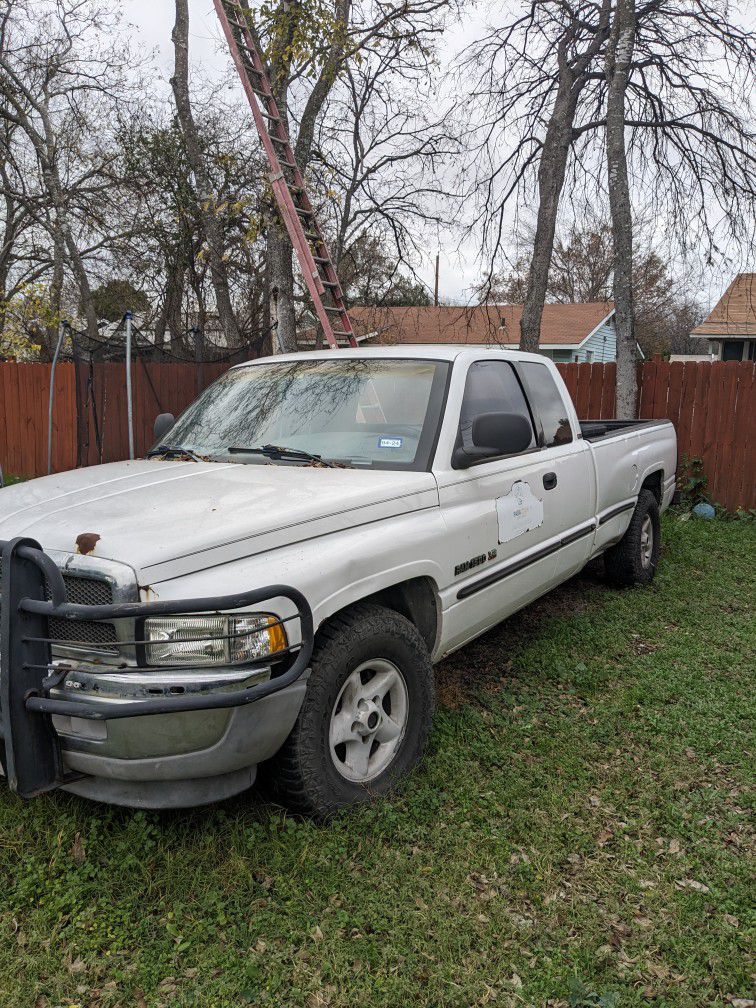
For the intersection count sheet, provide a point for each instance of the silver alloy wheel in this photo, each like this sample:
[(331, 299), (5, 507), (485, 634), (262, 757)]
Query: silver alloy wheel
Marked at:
[(368, 720), (647, 541)]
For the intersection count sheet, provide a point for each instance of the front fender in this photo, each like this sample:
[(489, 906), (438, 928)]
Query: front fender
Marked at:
[(332, 571)]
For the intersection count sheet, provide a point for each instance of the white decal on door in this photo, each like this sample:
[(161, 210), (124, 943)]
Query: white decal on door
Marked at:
[(518, 512)]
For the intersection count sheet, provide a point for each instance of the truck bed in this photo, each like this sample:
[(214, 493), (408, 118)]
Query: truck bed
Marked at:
[(595, 430)]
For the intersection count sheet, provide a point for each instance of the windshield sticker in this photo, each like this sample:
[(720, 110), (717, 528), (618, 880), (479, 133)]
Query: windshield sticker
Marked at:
[(390, 442)]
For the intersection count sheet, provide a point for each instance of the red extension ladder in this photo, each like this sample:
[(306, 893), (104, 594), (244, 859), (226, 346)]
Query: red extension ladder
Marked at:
[(288, 184)]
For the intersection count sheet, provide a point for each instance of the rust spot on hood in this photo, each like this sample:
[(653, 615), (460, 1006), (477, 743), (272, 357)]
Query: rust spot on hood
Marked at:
[(86, 542)]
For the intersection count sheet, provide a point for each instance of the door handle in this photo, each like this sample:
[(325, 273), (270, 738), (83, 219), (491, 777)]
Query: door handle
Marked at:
[(549, 481)]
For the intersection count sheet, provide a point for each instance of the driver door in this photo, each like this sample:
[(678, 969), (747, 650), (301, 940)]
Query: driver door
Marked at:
[(507, 516)]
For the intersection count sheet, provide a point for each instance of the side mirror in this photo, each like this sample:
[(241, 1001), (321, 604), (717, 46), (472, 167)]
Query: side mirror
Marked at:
[(162, 425), (494, 434)]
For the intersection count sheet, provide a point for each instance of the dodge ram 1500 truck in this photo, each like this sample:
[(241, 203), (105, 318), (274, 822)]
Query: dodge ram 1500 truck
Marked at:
[(275, 580)]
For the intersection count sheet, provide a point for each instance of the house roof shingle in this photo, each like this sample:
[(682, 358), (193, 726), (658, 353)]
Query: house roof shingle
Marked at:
[(735, 312), (562, 324)]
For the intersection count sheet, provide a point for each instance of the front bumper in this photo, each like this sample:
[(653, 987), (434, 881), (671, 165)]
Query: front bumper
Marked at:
[(138, 736), (186, 777), (174, 760)]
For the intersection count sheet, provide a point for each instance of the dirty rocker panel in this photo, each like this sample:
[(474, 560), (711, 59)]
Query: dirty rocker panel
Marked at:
[(33, 760), (523, 562)]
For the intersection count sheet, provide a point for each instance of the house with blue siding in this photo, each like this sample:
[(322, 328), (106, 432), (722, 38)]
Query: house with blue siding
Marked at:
[(569, 332)]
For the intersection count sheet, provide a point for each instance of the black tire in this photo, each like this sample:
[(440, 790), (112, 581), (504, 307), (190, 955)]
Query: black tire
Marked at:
[(625, 563), (304, 774)]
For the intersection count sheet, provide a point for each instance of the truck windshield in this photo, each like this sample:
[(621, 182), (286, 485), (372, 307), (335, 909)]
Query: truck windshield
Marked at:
[(375, 413)]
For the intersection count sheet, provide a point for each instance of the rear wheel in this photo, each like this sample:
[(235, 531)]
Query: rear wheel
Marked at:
[(633, 560), (366, 715)]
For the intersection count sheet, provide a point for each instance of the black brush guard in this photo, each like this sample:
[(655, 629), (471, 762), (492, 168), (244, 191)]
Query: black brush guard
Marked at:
[(33, 761)]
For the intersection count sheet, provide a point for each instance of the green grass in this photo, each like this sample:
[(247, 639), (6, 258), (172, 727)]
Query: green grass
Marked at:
[(581, 817), (10, 480)]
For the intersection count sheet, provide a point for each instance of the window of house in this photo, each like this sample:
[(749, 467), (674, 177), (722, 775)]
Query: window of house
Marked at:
[(732, 350), (492, 387), (548, 404)]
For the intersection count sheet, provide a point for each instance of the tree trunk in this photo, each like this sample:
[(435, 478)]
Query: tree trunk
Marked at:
[(206, 198), (618, 64), (280, 252), (63, 239), (62, 234), (284, 334), (7, 241), (551, 172), (82, 282), (56, 295), (574, 74)]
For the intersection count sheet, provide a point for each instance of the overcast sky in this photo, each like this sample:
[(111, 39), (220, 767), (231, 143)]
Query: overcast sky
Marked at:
[(152, 21)]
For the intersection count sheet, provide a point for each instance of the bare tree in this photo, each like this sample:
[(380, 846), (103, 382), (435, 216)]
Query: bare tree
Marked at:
[(678, 112), (686, 85), (665, 308), (308, 53), (383, 157), (619, 59), (101, 179), (209, 206), (17, 255), (28, 84), (546, 58), (60, 73), (170, 262), (689, 103)]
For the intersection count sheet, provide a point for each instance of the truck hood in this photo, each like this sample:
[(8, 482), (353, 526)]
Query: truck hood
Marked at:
[(167, 519)]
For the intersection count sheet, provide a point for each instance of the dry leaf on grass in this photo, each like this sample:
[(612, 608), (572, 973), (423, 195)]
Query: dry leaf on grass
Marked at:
[(690, 883), (77, 851)]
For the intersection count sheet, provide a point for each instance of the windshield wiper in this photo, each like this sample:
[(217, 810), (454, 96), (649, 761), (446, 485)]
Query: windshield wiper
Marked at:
[(164, 449), (277, 452)]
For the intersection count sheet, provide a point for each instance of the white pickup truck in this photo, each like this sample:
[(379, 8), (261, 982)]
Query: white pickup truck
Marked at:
[(275, 580)]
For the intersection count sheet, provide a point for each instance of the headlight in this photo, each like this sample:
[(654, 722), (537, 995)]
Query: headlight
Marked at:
[(188, 640)]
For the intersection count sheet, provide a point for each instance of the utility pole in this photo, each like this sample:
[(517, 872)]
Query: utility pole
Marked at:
[(435, 289)]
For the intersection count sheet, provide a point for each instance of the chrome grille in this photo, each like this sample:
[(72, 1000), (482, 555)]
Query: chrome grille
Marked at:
[(81, 591)]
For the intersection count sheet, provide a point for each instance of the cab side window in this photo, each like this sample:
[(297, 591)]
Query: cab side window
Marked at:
[(491, 387), (548, 404)]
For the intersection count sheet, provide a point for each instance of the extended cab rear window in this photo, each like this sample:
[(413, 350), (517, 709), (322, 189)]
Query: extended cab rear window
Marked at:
[(547, 403)]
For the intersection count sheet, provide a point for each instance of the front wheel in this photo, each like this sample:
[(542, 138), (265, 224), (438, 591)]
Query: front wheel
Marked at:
[(366, 715), (633, 560)]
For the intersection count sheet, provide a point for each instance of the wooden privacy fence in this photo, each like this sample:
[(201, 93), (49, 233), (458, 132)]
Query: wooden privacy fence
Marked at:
[(713, 407), (103, 434), (711, 404)]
